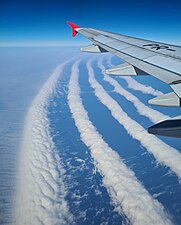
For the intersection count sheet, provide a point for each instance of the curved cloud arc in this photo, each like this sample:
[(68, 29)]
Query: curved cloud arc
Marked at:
[(41, 192), (142, 109), (128, 195), (162, 152), (135, 85)]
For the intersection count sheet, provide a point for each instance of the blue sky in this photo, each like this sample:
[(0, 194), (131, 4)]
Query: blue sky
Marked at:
[(43, 22)]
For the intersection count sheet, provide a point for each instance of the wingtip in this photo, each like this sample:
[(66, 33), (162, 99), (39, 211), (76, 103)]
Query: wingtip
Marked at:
[(73, 26)]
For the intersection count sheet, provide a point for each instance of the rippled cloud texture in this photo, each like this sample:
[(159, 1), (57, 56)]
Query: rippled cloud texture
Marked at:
[(40, 190), (127, 193), (163, 153)]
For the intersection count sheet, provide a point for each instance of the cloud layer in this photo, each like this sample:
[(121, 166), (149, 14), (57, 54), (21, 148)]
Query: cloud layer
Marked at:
[(163, 153), (40, 190), (135, 85), (127, 193), (142, 109)]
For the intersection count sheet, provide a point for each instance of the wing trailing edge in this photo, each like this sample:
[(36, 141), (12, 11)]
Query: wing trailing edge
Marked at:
[(125, 69), (93, 49), (169, 99)]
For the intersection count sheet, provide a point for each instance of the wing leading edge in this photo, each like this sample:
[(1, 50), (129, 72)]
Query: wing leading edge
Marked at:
[(142, 57)]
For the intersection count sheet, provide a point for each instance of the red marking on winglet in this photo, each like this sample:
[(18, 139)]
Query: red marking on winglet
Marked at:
[(73, 26)]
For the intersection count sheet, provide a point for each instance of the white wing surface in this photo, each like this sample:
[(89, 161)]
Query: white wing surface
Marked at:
[(142, 57)]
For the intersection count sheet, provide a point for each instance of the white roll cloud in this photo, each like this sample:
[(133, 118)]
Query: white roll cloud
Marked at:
[(135, 85), (142, 109), (162, 152), (127, 193), (40, 197)]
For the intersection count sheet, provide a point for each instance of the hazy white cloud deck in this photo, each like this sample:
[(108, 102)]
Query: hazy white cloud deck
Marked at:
[(41, 191), (73, 170)]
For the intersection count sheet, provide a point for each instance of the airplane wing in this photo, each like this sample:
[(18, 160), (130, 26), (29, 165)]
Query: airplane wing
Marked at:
[(142, 57)]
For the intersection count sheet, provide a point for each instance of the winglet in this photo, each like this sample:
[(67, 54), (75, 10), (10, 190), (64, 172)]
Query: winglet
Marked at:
[(73, 26)]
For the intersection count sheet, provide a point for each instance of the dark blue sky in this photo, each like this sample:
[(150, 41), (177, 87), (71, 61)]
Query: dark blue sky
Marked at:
[(44, 21)]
